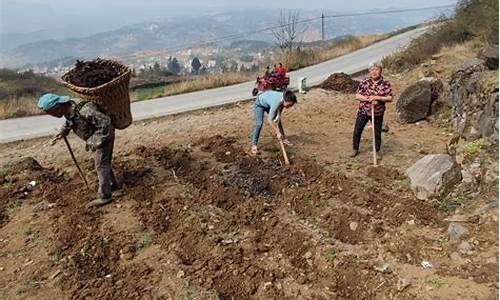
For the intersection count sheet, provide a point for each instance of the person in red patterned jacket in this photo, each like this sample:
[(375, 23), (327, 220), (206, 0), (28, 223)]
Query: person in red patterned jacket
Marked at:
[(375, 92)]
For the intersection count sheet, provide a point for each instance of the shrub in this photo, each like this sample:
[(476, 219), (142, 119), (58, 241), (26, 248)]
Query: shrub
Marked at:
[(472, 19)]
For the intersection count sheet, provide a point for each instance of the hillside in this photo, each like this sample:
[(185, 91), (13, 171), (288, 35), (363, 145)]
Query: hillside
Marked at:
[(18, 92), (178, 33), (198, 218)]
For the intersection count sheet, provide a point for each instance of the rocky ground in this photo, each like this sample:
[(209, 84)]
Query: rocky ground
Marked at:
[(198, 218)]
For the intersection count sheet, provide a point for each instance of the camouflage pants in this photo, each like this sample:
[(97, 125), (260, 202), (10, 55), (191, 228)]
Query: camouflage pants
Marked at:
[(103, 157)]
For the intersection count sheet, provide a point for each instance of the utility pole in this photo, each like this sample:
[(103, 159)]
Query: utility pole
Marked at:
[(322, 27)]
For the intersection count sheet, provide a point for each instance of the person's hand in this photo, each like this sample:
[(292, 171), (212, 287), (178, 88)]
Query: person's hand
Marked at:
[(373, 99), (279, 136), (56, 138)]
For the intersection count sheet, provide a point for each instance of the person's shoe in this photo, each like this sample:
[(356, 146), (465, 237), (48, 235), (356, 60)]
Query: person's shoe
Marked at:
[(254, 150), (287, 142), (379, 156), (354, 153), (99, 202), (118, 193)]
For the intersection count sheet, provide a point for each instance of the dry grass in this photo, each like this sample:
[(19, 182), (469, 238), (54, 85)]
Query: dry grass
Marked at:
[(18, 107), (442, 66), (204, 82), (294, 60), (473, 20)]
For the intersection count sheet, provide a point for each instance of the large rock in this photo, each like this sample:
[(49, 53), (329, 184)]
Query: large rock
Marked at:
[(437, 87), (434, 176), (474, 99), (490, 56), (415, 102)]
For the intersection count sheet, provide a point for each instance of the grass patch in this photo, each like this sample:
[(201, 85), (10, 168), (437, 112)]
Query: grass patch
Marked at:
[(145, 242), (29, 231), (402, 30), (147, 93), (330, 256), (436, 282), (55, 259), (18, 107), (31, 285), (446, 245), (19, 92), (473, 148), (449, 204)]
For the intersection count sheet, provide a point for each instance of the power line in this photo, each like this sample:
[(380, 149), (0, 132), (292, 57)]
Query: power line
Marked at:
[(391, 11), (270, 28)]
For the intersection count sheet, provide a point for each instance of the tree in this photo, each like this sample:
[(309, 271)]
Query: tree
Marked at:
[(203, 70), (156, 68), (173, 65), (196, 65), (288, 32)]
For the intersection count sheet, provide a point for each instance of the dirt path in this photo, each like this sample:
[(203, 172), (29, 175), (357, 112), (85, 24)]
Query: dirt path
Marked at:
[(200, 219)]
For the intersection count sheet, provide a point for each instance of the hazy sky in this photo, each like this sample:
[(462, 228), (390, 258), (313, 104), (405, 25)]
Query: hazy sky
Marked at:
[(21, 16)]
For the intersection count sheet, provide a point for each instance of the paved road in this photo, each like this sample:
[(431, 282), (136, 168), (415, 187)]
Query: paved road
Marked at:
[(38, 126)]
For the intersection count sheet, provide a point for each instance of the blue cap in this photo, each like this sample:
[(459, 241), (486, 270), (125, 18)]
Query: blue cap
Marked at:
[(49, 101)]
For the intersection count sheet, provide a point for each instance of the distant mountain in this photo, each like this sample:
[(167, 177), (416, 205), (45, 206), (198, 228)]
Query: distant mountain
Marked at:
[(175, 34), (178, 33)]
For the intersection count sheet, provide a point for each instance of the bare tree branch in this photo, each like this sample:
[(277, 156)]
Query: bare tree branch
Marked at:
[(288, 33)]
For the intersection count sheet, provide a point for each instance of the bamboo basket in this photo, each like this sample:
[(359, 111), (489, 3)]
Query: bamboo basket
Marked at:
[(112, 97)]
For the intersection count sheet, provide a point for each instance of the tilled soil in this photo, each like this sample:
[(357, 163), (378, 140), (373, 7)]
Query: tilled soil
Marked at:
[(237, 227)]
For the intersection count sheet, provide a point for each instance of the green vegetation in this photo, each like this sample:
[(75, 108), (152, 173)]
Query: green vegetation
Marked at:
[(474, 19), (435, 281), (55, 259), (473, 148), (29, 231), (402, 30), (330, 256), (451, 203), (25, 84), (147, 93), (145, 242)]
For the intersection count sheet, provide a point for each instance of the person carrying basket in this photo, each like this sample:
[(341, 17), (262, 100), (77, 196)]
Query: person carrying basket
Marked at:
[(93, 126)]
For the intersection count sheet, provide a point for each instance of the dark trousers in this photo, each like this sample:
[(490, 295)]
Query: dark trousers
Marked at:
[(103, 157), (360, 124)]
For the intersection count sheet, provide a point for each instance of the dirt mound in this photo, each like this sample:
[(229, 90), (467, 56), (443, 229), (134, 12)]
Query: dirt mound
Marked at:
[(223, 148), (90, 74), (20, 165), (384, 174), (340, 82), (26, 180)]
